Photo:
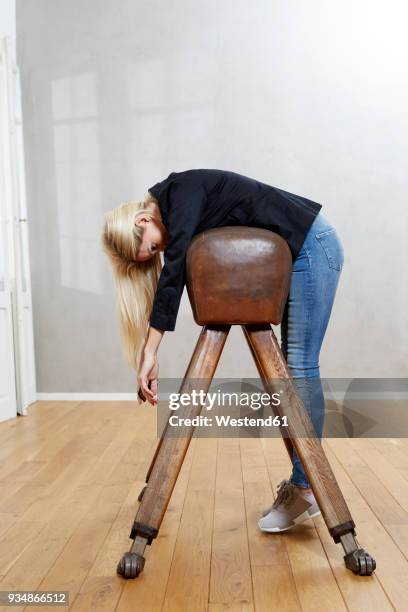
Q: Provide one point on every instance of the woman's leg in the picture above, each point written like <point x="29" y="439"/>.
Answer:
<point x="315" y="276"/>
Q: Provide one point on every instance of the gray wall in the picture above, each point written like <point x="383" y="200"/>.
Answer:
<point x="308" y="96"/>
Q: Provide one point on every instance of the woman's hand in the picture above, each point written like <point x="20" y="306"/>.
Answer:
<point x="148" y="378"/>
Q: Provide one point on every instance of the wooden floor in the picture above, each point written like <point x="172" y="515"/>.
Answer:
<point x="70" y="474"/>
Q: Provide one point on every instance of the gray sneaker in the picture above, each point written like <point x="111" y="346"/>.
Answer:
<point x="313" y="511"/>
<point x="290" y="508"/>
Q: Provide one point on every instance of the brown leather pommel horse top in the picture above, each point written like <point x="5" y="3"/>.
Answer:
<point x="238" y="275"/>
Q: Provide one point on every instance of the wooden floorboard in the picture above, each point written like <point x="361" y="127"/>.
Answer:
<point x="70" y="474"/>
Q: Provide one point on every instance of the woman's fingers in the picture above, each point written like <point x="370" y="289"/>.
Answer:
<point x="147" y="380"/>
<point x="140" y="397"/>
<point x="153" y="388"/>
<point x="145" y="387"/>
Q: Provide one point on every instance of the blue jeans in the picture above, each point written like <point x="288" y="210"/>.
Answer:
<point x="315" y="276"/>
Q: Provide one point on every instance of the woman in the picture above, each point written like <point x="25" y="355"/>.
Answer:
<point x="189" y="202"/>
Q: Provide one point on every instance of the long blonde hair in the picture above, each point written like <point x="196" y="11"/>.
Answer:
<point x="136" y="281"/>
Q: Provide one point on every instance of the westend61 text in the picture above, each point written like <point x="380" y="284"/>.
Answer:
<point x="227" y="421"/>
<point x="199" y="398"/>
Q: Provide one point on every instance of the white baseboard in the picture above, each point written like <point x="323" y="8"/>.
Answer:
<point x="87" y="397"/>
<point x="112" y="397"/>
<point x="367" y="395"/>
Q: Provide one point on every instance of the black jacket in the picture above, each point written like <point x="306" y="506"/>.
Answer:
<point x="196" y="200"/>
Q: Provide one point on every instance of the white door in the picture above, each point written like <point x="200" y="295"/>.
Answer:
<point x="18" y="234"/>
<point x="8" y="392"/>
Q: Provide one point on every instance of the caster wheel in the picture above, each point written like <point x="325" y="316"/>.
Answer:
<point x="141" y="493"/>
<point x="360" y="562"/>
<point x="130" y="565"/>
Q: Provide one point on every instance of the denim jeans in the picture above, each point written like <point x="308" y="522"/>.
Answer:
<point x="315" y="276"/>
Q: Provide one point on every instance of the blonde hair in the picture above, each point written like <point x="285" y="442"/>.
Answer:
<point x="136" y="281"/>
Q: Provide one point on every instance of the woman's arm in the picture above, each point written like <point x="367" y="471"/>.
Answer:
<point x="153" y="340"/>
<point x="147" y="379"/>
<point x="187" y="200"/>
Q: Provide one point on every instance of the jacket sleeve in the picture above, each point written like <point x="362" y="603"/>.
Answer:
<point x="186" y="203"/>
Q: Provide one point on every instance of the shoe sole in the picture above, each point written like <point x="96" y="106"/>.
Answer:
<point x="299" y="519"/>
<point x="266" y="512"/>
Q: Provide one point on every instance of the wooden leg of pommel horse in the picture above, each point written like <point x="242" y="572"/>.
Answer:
<point x="273" y="370"/>
<point x="171" y="450"/>
<point x="149" y="471"/>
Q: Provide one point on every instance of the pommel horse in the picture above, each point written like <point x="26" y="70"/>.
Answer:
<point x="241" y="276"/>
